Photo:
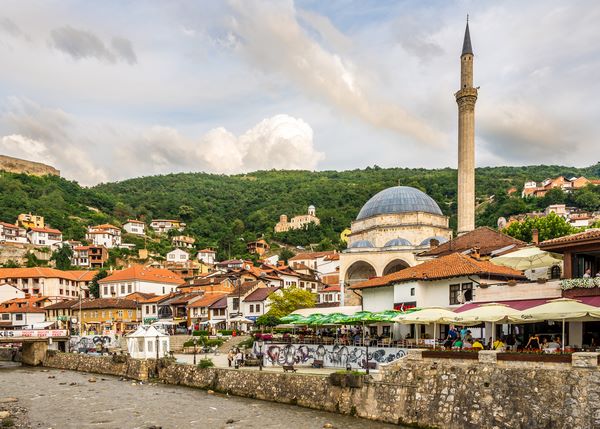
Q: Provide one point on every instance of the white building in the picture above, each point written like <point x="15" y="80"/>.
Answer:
<point x="56" y="284"/>
<point x="8" y="292"/>
<point x="138" y="278"/>
<point x="163" y="226"/>
<point x="12" y="234"/>
<point x="105" y="235"/>
<point x="330" y="295"/>
<point x="256" y="303"/>
<point x="183" y="241"/>
<point x="44" y="237"/>
<point x="178" y="256"/>
<point x="135" y="227"/>
<point x="320" y="262"/>
<point x="22" y="312"/>
<point x="207" y="256"/>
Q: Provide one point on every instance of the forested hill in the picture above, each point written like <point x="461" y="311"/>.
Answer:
<point x="220" y="209"/>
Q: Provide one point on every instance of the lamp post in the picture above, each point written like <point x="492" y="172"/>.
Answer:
<point x="367" y="358"/>
<point x="260" y="343"/>
<point x="157" y="343"/>
<point x="195" y="350"/>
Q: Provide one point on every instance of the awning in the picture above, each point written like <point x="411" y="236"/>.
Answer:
<point x="521" y="304"/>
<point x="42" y="325"/>
<point x="589" y="300"/>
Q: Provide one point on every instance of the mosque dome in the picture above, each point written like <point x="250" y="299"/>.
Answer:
<point x="397" y="242"/>
<point x="399" y="199"/>
<point x="439" y="239"/>
<point x="361" y="244"/>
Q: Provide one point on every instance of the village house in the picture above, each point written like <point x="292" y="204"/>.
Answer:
<point x="106" y="235"/>
<point x="23" y="313"/>
<point x="163" y="226"/>
<point x="138" y="278"/>
<point x="220" y="283"/>
<point x="177" y="256"/>
<point x="89" y="256"/>
<point x="258" y="247"/>
<point x="235" y="298"/>
<point x="207" y="256"/>
<point x="201" y="310"/>
<point x="297" y="222"/>
<point x="28" y="220"/>
<point x="62" y="313"/>
<point x="183" y="242"/>
<point x="57" y="285"/>
<point x="114" y="315"/>
<point x="534" y="189"/>
<point x="12" y="234"/>
<point x="256" y="303"/>
<point x="320" y="262"/>
<point x="135" y="227"/>
<point x="230" y="264"/>
<point x="329" y="296"/>
<point x="8" y="292"/>
<point x="44" y="237"/>
<point x="150" y="307"/>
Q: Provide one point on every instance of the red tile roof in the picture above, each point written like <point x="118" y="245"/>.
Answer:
<point x="48" y="230"/>
<point x="140" y="272"/>
<point x="207" y="300"/>
<point x="24" y="305"/>
<point x="260" y="294"/>
<point x="43" y="272"/>
<point x="9" y="225"/>
<point x="332" y="288"/>
<point x="590" y="234"/>
<point x="63" y="305"/>
<point x="108" y="303"/>
<point x="487" y="239"/>
<point x="454" y="265"/>
<point x="312" y="255"/>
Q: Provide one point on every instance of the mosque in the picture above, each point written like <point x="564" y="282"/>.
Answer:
<point x="400" y="222"/>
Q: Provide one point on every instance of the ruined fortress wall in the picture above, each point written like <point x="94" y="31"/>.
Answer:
<point x="16" y="165"/>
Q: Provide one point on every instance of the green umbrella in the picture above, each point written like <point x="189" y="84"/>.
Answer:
<point x="290" y="318"/>
<point x="334" y="319"/>
<point x="361" y="317"/>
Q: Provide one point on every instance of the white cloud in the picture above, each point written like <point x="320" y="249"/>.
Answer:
<point x="81" y="44"/>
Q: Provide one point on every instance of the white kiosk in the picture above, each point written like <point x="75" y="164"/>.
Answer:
<point x="144" y="342"/>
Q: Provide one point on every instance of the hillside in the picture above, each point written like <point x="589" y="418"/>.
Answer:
<point x="222" y="210"/>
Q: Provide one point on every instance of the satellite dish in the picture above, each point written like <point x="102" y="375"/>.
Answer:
<point x="501" y="223"/>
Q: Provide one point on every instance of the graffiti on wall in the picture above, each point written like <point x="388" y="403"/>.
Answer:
<point x="92" y="342"/>
<point x="331" y="355"/>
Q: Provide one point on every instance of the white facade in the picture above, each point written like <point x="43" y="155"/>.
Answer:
<point x="162" y="226"/>
<point x="147" y="343"/>
<point x="22" y="319"/>
<point x="207" y="256"/>
<point x="8" y="292"/>
<point x="119" y="289"/>
<point x="44" y="237"/>
<point x="104" y="235"/>
<point x="12" y="233"/>
<point x="149" y="310"/>
<point x="178" y="256"/>
<point x="135" y="227"/>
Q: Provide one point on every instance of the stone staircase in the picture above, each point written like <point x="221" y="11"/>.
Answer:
<point x="177" y="342"/>
<point x="231" y="343"/>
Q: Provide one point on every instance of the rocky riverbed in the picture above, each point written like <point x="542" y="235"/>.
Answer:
<point x="65" y="399"/>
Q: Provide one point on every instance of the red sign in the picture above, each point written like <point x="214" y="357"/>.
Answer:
<point x="34" y="333"/>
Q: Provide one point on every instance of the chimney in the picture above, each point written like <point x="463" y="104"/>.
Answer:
<point x="476" y="253"/>
<point x="535" y="236"/>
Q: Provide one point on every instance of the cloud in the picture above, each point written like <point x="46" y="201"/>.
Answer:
<point x="280" y="142"/>
<point x="81" y="44"/>
<point x="8" y="26"/>
<point x="269" y="35"/>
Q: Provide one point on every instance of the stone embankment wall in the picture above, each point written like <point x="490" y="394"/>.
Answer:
<point x="122" y="366"/>
<point x="421" y="392"/>
<point x="16" y="165"/>
<point x="10" y="354"/>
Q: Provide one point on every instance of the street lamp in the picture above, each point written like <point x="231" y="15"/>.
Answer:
<point x="195" y="350"/>
<point x="260" y="343"/>
<point x="157" y="338"/>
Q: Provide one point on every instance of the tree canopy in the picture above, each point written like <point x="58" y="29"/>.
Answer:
<point x="551" y="226"/>
<point x="289" y="300"/>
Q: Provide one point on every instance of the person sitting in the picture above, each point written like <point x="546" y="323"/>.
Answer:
<point x="448" y="343"/>
<point x="499" y="344"/>
<point x="587" y="274"/>
<point x="477" y="345"/>
<point x="458" y="344"/>
<point x="551" y="347"/>
<point x="533" y="343"/>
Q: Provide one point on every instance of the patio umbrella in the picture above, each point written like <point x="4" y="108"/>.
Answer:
<point x="426" y="316"/>
<point x="527" y="259"/>
<point x="557" y="309"/>
<point x="290" y="318"/>
<point x="492" y="312"/>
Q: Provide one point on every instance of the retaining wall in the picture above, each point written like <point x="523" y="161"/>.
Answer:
<point x="416" y="391"/>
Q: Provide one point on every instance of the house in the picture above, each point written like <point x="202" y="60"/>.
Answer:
<point x="179" y="307"/>
<point x="138" y="278"/>
<point x="135" y="227"/>
<point x="534" y="189"/>
<point x="297" y="222"/>
<point x="329" y="296"/>
<point x="89" y="256"/>
<point x="230" y="264"/>
<point x="63" y="313"/>
<point x="177" y="256"/>
<point x="163" y="226"/>
<point x="28" y="220"/>
<point x="57" y="285"/>
<point x="258" y="247"/>
<point x="106" y="235"/>
<point x="559" y="209"/>
<point x="8" y="292"/>
<point x="447" y="281"/>
<point x="320" y="262"/>
<point x="200" y="309"/>
<point x="44" y="237"/>
<point x="256" y="303"/>
<point x="110" y="315"/>
<point x="235" y="298"/>
<point x="207" y="256"/>
<point x="483" y="242"/>
<point x="219" y="283"/>
<point x="183" y="242"/>
<point x="150" y="306"/>
<point x="12" y="234"/>
<point x="22" y="312"/>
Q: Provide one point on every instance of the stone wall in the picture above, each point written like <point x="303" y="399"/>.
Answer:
<point x="422" y="392"/>
<point x="10" y="354"/>
<point x="16" y="165"/>
<point x="122" y="366"/>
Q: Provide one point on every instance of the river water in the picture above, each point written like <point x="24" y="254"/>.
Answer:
<point x="111" y="403"/>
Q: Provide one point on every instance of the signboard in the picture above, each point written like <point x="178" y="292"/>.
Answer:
<point x="403" y="306"/>
<point x="34" y="333"/>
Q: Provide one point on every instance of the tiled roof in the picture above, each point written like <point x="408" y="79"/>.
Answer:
<point x="134" y="221"/>
<point x="140" y="296"/>
<point x="24" y="305"/>
<point x="43" y="272"/>
<point x="332" y="288"/>
<point x="206" y="251"/>
<point x="156" y="298"/>
<point x="453" y="265"/>
<point x="221" y="303"/>
<point x="487" y="239"/>
<point x="108" y="303"/>
<point x="244" y="288"/>
<point x="49" y="230"/>
<point x="9" y="225"/>
<point x="63" y="305"/>
<point x="149" y="274"/>
<point x="207" y="300"/>
<point x="260" y="294"/>
<point x="105" y="226"/>
<point x="590" y="234"/>
<point x="311" y="255"/>
<point x="185" y="298"/>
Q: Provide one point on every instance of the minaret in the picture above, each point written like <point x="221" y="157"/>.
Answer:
<point x="466" y="98"/>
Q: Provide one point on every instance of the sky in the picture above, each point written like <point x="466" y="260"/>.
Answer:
<point x="111" y="90"/>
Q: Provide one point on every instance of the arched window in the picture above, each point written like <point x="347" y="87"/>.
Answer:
<point x="555" y="272"/>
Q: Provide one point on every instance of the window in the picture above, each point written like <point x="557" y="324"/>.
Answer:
<point x="236" y="303"/>
<point x="412" y="291"/>
<point x="459" y="294"/>
<point x="154" y="309"/>
<point x="18" y="316"/>
<point x="129" y="313"/>
<point x="251" y="308"/>
<point x="105" y="290"/>
<point x="467" y="290"/>
<point x="454" y="292"/>
<point x="129" y="288"/>
<point x="555" y="272"/>
<point x="103" y="314"/>
<point x="60" y="291"/>
<point x="122" y="289"/>
<point x="5" y="316"/>
<point x="147" y="309"/>
<point x="257" y="308"/>
<point x="120" y="313"/>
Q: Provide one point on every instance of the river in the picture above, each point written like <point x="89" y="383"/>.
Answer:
<point x="55" y="402"/>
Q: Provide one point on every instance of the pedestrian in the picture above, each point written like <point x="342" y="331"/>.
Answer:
<point x="239" y="358"/>
<point x="230" y="357"/>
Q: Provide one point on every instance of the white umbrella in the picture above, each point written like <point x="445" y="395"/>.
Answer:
<point x="527" y="259"/>
<point x="425" y="316"/>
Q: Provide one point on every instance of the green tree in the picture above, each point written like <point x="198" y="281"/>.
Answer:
<point x="325" y="245"/>
<point x="62" y="257"/>
<point x="289" y="300"/>
<point x="267" y="320"/>
<point x="587" y="200"/>
<point x="94" y="287"/>
<point x="551" y="226"/>
<point x="11" y="264"/>
<point x="285" y="254"/>
<point x="32" y="260"/>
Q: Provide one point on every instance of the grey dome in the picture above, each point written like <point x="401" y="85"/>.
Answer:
<point x="361" y="244"/>
<point x="427" y="241"/>
<point x="399" y="199"/>
<point x="397" y="242"/>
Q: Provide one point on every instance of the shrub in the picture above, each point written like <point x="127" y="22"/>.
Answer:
<point x="200" y="333"/>
<point x="206" y="363"/>
<point x="247" y="343"/>
<point x="204" y="342"/>
<point x="225" y="332"/>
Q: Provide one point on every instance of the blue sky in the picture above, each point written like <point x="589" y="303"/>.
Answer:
<point x="112" y="90"/>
